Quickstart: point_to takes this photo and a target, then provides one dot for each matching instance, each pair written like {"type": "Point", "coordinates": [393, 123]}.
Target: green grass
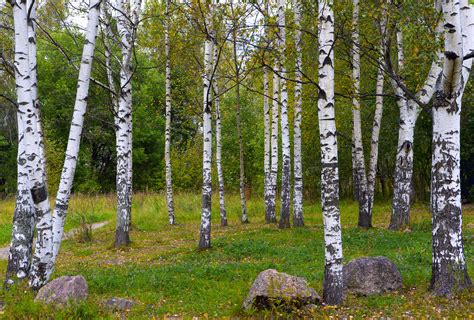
{"type": "Point", "coordinates": [164, 272]}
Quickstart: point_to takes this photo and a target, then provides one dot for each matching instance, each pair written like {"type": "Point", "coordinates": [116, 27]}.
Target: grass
{"type": "Point", "coordinates": [166, 275]}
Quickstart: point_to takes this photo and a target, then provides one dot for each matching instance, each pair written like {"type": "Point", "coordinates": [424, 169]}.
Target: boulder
{"type": "Point", "coordinates": [63, 289]}
{"type": "Point", "coordinates": [273, 288]}
{"type": "Point", "coordinates": [371, 275]}
{"type": "Point", "coordinates": [119, 304]}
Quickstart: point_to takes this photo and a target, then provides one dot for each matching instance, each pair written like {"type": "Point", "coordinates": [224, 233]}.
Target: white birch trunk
{"type": "Point", "coordinates": [358, 161]}
{"type": "Point", "coordinates": [127, 22]}
{"type": "Point", "coordinates": [205, 232]}
{"type": "Point", "coordinates": [267, 143]}
{"type": "Point", "coordinates": [449, 272]}
{"type": "Point", "coordinates": [298, 167]}
{"type": "Point", "coordinates": [267, 130]}
{"type": "Point", "coordinates": [32, 5]}
{"type": "Point", "coordinates": [285, 130]}
{"type": "Point", "coordinates": [220, 175]}
{"type": "Point", "coordinates": [21, 246]}
{"type": "Point", "coordinates": [243, 202]}
{"type": "Point", "coordinates": [30, 160]}
{"type": "Point", "coordinates": [333, 282]}
{"type": "Point", "coordinates": [374, 141]}
{"type": "Point", "coordinates": [409, 112]}
{"type": "Point", "coordinates": [75, 132]}
{"type": "Point", "coordinates": [169, 184]}
{"type": "Point", "coordinates": [274, 149]}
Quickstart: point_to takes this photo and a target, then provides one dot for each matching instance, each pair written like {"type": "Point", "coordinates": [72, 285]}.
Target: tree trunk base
{"type": "Point", "coordinates": [204, 245]}
{"type": "Point", "coordinates": [447, 284]}
{"type": "Point", "coordinates": [122, 238]}
{"type": "Point", "coordinates": [284, 224]}
{"type": "Point", "coordinates": [398, 224]}
{"type": "Point", "coordinates": [333, 289]}
{"type": "Point", "coordinates": [298, 222]}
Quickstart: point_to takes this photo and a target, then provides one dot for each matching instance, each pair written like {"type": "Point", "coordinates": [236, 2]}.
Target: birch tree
{"type": "Point", "coordinates": [409, 111]}
{"type": "Point", "coordinates": [285, 130]}
{"type": "Point", "coordinates": [21, 246]}
{"type": "Point", "coordinates": [169, 184]}
{"type": "Point", "coordinates": [358, 161]}
{"type": "Point", "coordinates": [75, 133]}
{"type": "Point", "coordinates": [267, 131]}
{"type": "Point", "coordinates": [271, 200]}
{"type": "Point", "coordinates": [220, 175]}
{"type": "Point", "coordinates": [449, 272]}
{"type": "Point", "coordinates": [297, 169]}
{"type": "Point", "coordinates": [374, 141]}
{"type": "Point", "coordinates": [29, 160]}
{"type": "Point", "coordinates": [333, 282]}
{"type": "Point", "coordinates": [127, 22]}
{"type": "Point", "coordinates": [205, 232]}
{"type": "Point", "coordinates": [271, 134]}
{"type": "Point", "coordinates": [238, 69]}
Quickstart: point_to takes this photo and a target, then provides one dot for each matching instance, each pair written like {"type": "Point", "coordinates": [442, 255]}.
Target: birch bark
{"type": "Point", "coordinates": [267, 129]}
{"type": "Point", "coordinates": [274, 148]}
{"type": "Point", "coordinates": [409, 112]}
{"type": "Point", "coordinates": [298, 220]}
{"type": "Point", "coordinates": [358, 161]}
{"type": "Point", "coordinates": [30, 159]}
{"type": "Point", "coordinates": [127, 22]}
{"type": "Point", "coordinates": [21, 246]}
{"type": "Point", "coordinates": [333, 282]}
{"type": "Point", "coordinates": [75, 132]}
{"type": "Point", "coordinates": [374, 141]}
{"type": "Point", "coordinates": [205, 232]}
{"type": "Point", "coordinates": [243, 201]}
{"type": "Point", "coordinates": [32, 5]}
{"type": "Point", "coordinates": [220, 175]}
{"type": "Point", "coordinates": [285, 130]}
{"type": "Point", "coordinates": [449, 270]}
{"type": "Point", "coordinates": [169, 183]}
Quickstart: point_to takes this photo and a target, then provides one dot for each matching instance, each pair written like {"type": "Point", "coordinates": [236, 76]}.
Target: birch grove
{"type": "Point", "coordinates": [137, 122]}
{"type": "Point", "coordinates": [49, 227]}
{"type": "Point", "coordinates": [333, 282]}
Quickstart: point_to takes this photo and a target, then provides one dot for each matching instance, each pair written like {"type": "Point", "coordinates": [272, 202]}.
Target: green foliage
{"type": "Point", "coordinates": [95, 172]}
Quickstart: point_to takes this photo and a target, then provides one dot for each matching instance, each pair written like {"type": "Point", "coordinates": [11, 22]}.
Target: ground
{"type": "Point", "coordinates": [166, 275]}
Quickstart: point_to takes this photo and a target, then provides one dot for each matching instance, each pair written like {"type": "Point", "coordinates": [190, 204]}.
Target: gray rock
{"type": "Point", "coordinates": [63, 289]}
{"type": "Point", "coordinates": [371, 275]}
{"type": "Point", "coordinates": [276, 288]}
{"type": "Point", "coordinates": [119, 304]}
